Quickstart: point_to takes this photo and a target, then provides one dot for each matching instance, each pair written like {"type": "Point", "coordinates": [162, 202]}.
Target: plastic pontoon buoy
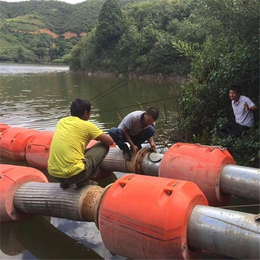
{"type": "Point", "coordinates": [38, 149]}
{"type": "Point", "coordinates": [3, 127]}
{"type": "Point", "coordinates": [13, 142]}
{"type": "Point", "coordinates": [144, 217]}
{"type": "Point", "coordinates": [200, 164]}
{"type": "Point", "coordinates": [11, 178]}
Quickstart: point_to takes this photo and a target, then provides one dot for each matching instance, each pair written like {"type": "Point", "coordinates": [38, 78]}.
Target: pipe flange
{"type": "Point", "coordinates": [138, 160]}
{"type": "Point", "coordinates": [97, 205]}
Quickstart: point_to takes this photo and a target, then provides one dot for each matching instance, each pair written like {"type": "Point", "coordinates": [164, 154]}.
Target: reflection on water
{"type": "Point", "coordinates": [7, 69]}
{"type": "Point", "coordinates": [46, 238]}
{"type": "Point", "coordinates": [37, 97]}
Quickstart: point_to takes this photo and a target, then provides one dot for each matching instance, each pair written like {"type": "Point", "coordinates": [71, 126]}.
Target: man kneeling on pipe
{"type": "Point", "coordinates": [69, 162]}
{"type": "Point", "coordinates": [136, 128]}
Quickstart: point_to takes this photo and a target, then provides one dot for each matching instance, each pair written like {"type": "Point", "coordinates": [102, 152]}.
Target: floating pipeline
{"type": "Point", "coordinates": [212, 168]}
{"type": "Point", "coordinates": [11, 178]}
{"type": "Point", "coordinates": [144, 217]}
{"type": "Point", "coordinates": [20, 144]}
{"type": "Point", "coordinates": [38, 149]}
{"type": "Point", "coordinates": [13, 141]}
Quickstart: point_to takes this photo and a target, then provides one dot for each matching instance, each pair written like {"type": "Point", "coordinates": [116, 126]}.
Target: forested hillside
{"type": "Point", "coordinates": [145, 37]}
{"type": "Point", "coordinates": [35, 31]}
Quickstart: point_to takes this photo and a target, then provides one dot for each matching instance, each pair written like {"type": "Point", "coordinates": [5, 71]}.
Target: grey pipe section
{"type": "Point", "coordinates": [241, 181]}
{"type": "Point", "coordinates": [225, 232]}
{"type": "Point", "coordinates": [48, 199]}
{"type": "Point", "coordinates": [114, 161]}
{"type": "Point", "coordinates": [151, 163]}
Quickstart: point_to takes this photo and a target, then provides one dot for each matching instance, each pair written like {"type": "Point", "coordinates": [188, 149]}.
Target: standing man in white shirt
{"type": "Point", "coordinates": [243, 109]}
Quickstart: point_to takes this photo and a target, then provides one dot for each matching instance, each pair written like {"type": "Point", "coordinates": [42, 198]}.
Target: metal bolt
{"type": "Point", "coordinates": [12, 213]}
{"type": "Point", "coordinates": [183, 247]}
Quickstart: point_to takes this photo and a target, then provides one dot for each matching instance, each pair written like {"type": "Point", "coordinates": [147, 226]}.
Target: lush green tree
{"type": "Point", "coordinates": [110, 25]}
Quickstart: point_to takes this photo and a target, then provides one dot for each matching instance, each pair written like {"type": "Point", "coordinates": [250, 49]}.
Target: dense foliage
{"type": "Point", "coordinates": [228, 56]}
{"type": "Point", "coordinates": [144, 43]}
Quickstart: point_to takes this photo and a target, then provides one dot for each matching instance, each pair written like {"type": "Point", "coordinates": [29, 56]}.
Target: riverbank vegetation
{"type": "Point", "coordinates": [215, 42]}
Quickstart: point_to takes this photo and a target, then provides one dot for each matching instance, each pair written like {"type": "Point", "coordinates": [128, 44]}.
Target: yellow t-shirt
{"type": "Point", "coordinates": [68, 146]}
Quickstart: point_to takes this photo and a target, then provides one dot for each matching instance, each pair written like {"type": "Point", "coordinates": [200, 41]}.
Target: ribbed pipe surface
{"type": "Point", "coordinates": [49, 199]}
{"type": "Point", "coordinates": [225, 232]}
{"type": "Point", "coordinates": [114, 161]}
{"type": "Point", "coordinates": [243, 182]}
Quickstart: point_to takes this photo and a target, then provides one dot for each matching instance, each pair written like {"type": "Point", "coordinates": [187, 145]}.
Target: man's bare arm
{"type": "Point", "coordinates": [129, 140]}
{"type": "Point", "coordinates": [253, 108]}
{"type": "Point", "coordinates": [105, 139]}
{"type": "Point", "coordinates": [151, 142]}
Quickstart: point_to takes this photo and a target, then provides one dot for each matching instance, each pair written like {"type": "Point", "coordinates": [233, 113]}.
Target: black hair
{"type": "Point", "coordinates": [79, 106]}
{"type": "Point", "coordinates": [236, 88]}
{"type": "Point", "coordinates": [153, 111]}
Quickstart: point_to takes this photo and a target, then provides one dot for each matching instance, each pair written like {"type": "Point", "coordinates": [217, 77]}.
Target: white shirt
{"type": "Point", "coordinates": [133, 122]}
{"type": "Point", "coordinates": [242, 116]}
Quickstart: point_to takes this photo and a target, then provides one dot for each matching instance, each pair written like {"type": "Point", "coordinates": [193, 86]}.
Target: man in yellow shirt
{"type": "Point", "coordinates": [69, 161]}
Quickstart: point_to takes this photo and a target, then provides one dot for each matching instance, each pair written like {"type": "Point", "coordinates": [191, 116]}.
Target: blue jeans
{"type": "Point", "coordinates": [119, 138]}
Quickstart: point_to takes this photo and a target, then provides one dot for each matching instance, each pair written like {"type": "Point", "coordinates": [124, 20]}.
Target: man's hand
{"type": "Point", "coordinates": [153, 145]}
{"type": "Point", "coordinates": [135, 149]}
{"type": "Point", "coordinates": [246, 106]}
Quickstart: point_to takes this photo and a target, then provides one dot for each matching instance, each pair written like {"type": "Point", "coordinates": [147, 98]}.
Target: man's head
{"type": "Point", "coordinates": [80, 108]}
{"type": "Point", "coordinates": [234, 92]}
{"type": "Point", "coordinates": [151, 115]}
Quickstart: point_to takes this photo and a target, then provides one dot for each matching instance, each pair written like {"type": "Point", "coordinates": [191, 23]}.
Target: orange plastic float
{"type": "Point", "coordinates": [11, 178]}
{"type": "Point", "coordinates": [200, 164]}
{"type": "Point", "coordinates": [147, 217]}
{"type": "Point", "coordinates": [101, 173]}
{"type": "Point", "coordinates": [13, 142]}
{"type": "Point", "coordinates": [38, 149]}
{"type": "Point", "coordinates": [3, 127]}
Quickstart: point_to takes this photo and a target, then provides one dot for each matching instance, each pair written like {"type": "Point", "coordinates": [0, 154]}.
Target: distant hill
{"type": "Point", "coordinates": [37, 31]}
